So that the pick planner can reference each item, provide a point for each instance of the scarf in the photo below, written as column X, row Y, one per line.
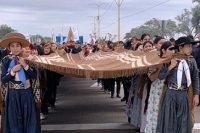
column 183, row 67
column 21, row 72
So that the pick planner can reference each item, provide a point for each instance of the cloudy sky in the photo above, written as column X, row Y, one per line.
column 47, row 16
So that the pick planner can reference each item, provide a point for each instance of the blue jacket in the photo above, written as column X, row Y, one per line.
column 31, row 73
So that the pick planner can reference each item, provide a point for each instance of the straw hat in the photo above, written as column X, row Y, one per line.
column 13, row 37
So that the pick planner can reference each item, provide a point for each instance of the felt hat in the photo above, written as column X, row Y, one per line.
column 185, row 40
column 13, row 37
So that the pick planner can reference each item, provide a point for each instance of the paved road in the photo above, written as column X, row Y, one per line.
column 83, row 108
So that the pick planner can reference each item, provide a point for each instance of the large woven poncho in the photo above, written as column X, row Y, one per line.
column 98, row 65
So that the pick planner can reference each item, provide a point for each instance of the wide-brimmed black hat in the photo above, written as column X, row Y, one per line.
column 195, row 41
column 182, row 41
column 185, row 40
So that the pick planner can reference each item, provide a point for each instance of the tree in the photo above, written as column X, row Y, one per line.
column 36, row 39
column 47, row 39
column 196, row 1
column 153, row 27
column 184, row 23
column 138, row 31
column 128, row 35
column 4, row 29
column 171, row 28
column 196, row 18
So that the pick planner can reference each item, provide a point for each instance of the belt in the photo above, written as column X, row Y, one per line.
column 175, row 87
column 12, row 85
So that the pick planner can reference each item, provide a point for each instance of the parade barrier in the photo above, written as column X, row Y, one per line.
column 97, row 65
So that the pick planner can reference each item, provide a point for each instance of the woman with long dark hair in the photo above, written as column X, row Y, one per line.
column 156, row 90
column 141, row 86
column 175, row 112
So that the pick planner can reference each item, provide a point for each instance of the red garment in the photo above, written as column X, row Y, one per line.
column 7, row 51
column 86, row 53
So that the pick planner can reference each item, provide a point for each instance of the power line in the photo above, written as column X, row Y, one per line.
column 109, row 7
column 143, row 10
column 94, row 23
column 137, row 12
column 107, row 26
column 98, row 18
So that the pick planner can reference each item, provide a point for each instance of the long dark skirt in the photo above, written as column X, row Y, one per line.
column 20, row 113
column 136, row 111
column 175, row 114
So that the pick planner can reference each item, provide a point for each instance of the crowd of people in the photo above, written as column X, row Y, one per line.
column 160, row 101
column 163, row 100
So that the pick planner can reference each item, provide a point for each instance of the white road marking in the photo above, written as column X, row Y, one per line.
column 95, row 85
column 122, row 126
column 101, row 126
column 196, row 126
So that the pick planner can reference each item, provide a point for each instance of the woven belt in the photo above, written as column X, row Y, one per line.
column 174, row 87
column 12, row 85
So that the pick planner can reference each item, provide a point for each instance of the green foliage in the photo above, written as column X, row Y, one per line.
column 188, row 24
column 196, row 18
column 184, row 23
column 138, row 31
column 171, row 28
column 196, row 1
column 47, row 39
column 36, row 39
column 153, row 27
column 4, row 29
column 189, row 21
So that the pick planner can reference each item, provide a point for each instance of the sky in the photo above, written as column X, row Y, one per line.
column 47, row 17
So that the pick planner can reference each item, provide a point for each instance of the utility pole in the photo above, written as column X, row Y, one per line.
column 61, row 35
column 52, row 35
column 119, row 3
column 98, row 19
column 94, row 24
column 163, row 25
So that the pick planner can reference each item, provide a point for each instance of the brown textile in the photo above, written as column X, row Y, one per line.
column 112, row 64
column 191, row 96
column 142, row 83
column 98, row 65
